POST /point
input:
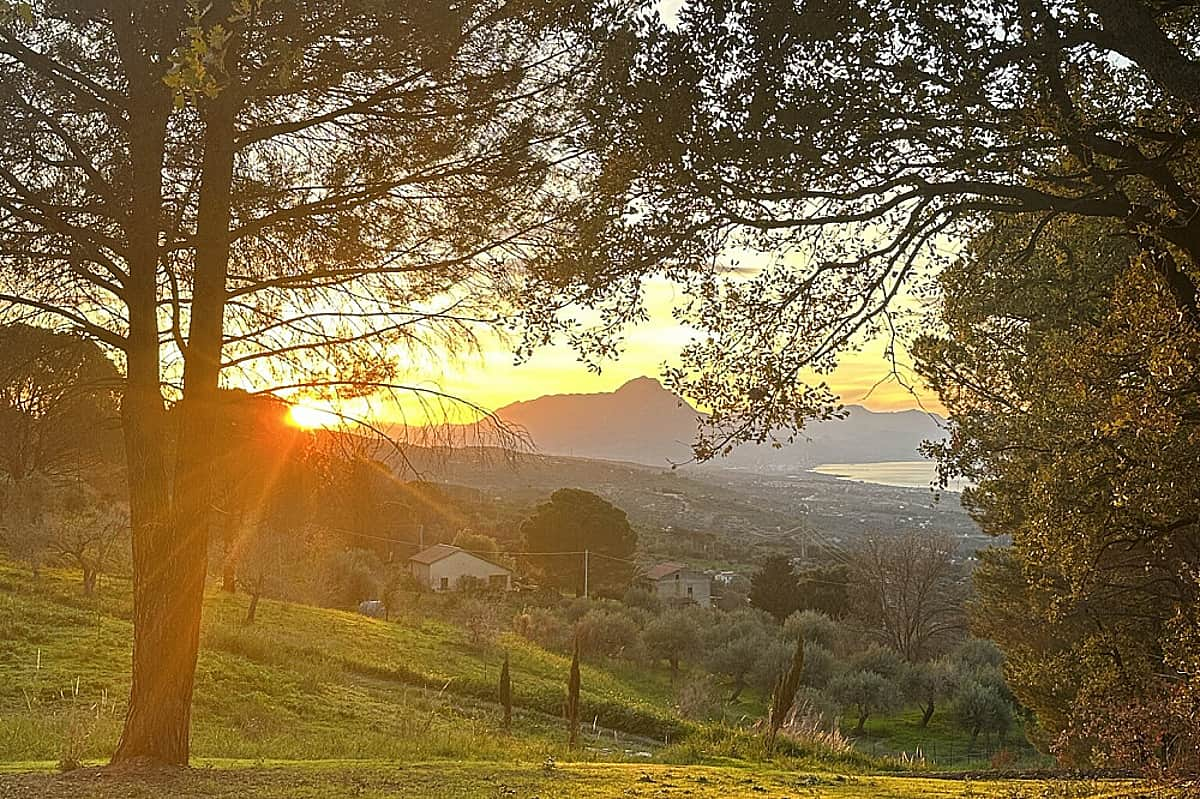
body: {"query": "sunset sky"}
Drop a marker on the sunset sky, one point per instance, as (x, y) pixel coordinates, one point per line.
(492, 380)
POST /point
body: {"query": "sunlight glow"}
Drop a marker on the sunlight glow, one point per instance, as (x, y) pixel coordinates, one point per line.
(308, 417)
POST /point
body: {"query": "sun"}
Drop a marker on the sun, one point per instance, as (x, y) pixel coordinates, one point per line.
(308, 417)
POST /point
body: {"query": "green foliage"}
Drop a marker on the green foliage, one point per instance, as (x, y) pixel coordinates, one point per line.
(353, 576)
(825, 589)
(880, 660)
(1071, 378)
(607, 633)
(774, 588)
(981, 708)
(674, 636)
(734, 648)
(574, 521)
(929, 683)
(58, 404)
(867, 692)
(814, 627)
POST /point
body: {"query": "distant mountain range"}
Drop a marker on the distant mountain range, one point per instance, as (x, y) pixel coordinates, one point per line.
(642, 422)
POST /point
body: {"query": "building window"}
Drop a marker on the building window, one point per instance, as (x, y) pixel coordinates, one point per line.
(689, 591)
(445, 583)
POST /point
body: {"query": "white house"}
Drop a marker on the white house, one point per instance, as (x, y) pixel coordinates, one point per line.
(675, 583)
(442, 566)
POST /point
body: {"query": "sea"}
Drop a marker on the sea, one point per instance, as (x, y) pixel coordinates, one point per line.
(903, 474)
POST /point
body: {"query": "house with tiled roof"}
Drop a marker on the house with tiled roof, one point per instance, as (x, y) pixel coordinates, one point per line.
(443, 567)
(677, 584)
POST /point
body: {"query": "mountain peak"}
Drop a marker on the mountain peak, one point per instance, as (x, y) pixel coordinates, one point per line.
(641, 385)
(644, 422)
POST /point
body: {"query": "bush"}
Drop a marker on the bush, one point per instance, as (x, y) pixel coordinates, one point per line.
(977, 654)
(354, 575)
(981, 708)
(698, 698)
(603, 632)
(868, 693)
(814, 627)
(819, 666)
(642, 599)
(673, 637)
(884, 662)
(544, 627)
(481, 619)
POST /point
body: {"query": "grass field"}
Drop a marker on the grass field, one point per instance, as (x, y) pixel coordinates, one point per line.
(307, 682)
(468, 780)
(315, 702)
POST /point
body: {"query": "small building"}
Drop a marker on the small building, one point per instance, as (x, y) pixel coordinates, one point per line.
(675, 583)
(442, 567)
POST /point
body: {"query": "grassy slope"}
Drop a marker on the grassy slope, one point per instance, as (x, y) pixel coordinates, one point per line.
(307, 684)
(301, 683)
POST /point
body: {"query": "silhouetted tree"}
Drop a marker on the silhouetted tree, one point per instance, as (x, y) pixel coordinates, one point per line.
(291, 195)
(774, 587)
(574, 521)
(909, 594)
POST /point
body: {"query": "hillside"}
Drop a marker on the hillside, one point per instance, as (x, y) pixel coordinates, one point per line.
(744, 513)
(644, 423)
(301, 683)
(322, 703)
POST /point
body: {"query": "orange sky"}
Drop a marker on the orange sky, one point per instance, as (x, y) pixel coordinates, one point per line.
(491, 379)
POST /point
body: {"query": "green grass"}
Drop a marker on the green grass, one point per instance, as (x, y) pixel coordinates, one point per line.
(485, 780)
(941, 742)
(322, 703)
(306, 682)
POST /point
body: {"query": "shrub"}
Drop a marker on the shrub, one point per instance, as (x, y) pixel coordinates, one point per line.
(814, 627)
(603, 632)
(698, 697)
(673, 637)
(881, 660)
(977, 654)
(543, 627)
(353, 576)
(981, 708)
(642, 599)
(867, 692)
(819, 666)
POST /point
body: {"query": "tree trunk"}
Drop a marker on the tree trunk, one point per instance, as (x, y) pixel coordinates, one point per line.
(89, 581)
(926, 714)
(157, 718)
(229, 563)
(862, 722)
(253, 609)
(171, 528)
(738, 687)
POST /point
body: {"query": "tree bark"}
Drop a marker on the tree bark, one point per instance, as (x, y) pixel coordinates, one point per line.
(257, 592)
(156, 722)
(926, 714)
(171, 527)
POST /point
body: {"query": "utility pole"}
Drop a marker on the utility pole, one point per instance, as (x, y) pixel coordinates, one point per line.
(585, 573)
